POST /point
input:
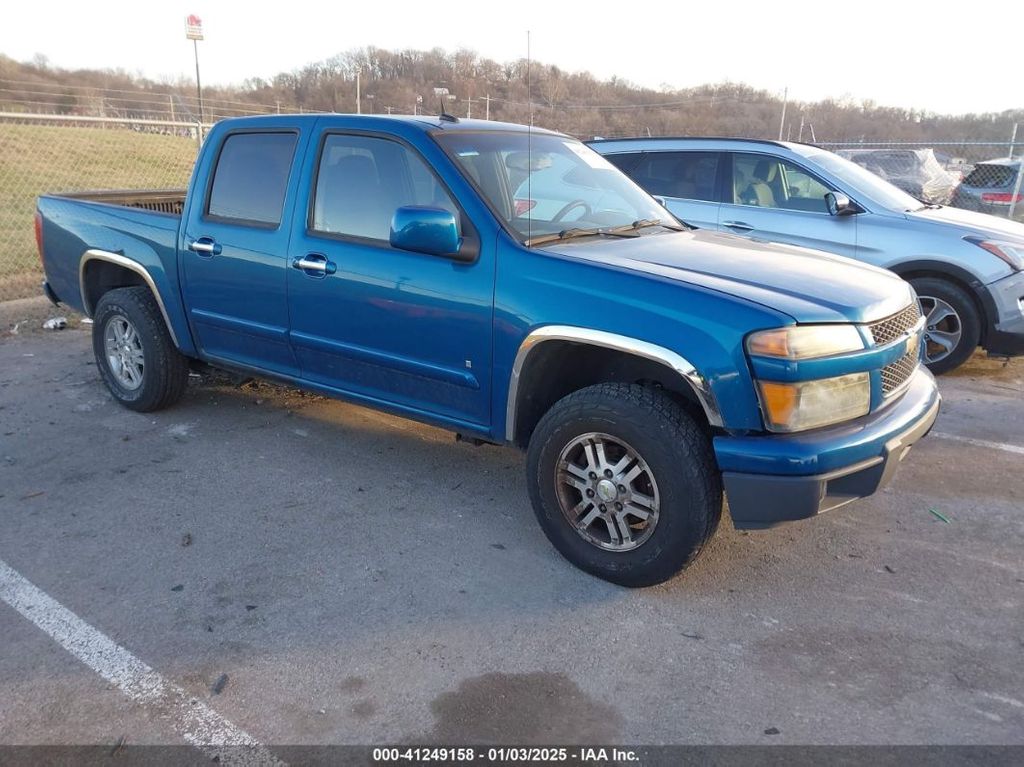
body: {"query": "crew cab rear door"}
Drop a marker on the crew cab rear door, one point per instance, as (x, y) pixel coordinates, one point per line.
(390, 326)
(233, 250)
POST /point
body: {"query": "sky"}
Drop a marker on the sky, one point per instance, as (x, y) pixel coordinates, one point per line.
(913, 55)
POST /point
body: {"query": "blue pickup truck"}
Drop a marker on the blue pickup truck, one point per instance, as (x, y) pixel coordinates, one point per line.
(413, 265)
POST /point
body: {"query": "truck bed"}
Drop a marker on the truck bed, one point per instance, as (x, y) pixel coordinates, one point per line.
(168, 201)
(143, 223)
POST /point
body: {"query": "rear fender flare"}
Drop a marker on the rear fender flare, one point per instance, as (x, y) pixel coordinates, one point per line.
(122, 261)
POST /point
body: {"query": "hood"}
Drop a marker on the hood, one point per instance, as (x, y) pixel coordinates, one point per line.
(983, 224)
(808, 285)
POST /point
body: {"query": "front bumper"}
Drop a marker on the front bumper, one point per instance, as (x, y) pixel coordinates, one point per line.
(1005, 337)
(771, 479)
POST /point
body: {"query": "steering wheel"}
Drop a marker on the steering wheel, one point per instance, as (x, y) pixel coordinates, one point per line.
(587, 210)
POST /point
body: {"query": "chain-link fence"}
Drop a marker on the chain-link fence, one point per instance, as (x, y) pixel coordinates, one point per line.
(977, 176)
(40, 154)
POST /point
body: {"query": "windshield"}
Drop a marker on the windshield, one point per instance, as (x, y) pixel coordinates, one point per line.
(861, 180)
(550, 184)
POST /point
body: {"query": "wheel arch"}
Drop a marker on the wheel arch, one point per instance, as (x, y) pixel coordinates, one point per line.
(101, 271)
(555, 360)
(957, 275)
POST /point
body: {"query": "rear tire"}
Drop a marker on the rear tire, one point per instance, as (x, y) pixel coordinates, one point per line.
(135, 354)
(952, 323)
(624, 483)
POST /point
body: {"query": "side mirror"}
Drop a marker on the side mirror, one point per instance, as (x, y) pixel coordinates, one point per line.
(839, 204)
(433, 231)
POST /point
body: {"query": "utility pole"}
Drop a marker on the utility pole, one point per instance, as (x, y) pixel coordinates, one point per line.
(1013, 140)
(170, 103)
(359, 103)
(487, 108)
(782, 122)
(199, 86)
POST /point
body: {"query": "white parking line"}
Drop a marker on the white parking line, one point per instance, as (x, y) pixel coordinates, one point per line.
(1006, 448)
(198, 724)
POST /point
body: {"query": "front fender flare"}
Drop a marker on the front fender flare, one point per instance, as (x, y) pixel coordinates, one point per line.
(670, 359)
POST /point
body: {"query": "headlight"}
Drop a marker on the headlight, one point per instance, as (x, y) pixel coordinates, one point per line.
(800, 342)
(1010, 252)
(809, 404)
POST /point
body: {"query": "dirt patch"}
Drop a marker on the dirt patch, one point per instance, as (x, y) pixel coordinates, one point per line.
(27, 315)
(534, 708)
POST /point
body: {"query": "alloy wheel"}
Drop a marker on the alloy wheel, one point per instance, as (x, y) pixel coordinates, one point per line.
(607, 492)
(124, 352)
(942, 329)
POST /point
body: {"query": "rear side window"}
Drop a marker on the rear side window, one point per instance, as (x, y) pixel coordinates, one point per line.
(685, 175)
(991, 176)
(251, 178)
(623, 162)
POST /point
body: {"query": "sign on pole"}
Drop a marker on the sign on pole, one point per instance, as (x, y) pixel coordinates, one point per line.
(193, 27)
(194, 32)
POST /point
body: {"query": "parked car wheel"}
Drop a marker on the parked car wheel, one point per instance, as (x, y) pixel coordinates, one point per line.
(135, 354)
(624, 483)
(952, 324)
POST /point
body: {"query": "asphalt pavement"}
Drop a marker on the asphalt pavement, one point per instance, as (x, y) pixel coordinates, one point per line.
(306, 571)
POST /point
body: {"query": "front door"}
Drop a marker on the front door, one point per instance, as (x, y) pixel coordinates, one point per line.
(777, 200)
(391, 326)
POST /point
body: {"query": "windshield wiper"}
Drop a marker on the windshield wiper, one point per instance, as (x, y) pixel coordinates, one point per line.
(644, 223)
(568, 234)
(629, 230)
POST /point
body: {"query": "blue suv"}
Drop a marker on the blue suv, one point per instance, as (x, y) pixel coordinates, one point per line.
(967, 267)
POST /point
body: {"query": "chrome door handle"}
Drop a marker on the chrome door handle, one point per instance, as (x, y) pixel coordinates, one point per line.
(204, 246)
(314, 262)
(307, 265)
(741, 225)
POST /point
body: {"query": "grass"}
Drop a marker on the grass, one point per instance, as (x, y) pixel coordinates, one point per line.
(38, 160)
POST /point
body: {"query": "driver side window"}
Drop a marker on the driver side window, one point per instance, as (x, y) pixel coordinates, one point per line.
(361, 182)
(769, 182)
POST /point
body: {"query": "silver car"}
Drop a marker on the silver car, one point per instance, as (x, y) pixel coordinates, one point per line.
(967, 267)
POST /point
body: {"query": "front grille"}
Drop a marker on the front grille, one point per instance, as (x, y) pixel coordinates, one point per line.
(888, 330)
(897, 373)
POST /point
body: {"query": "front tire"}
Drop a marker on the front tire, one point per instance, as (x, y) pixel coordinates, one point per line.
(135, 354)
(624, 483)
(952, 324)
